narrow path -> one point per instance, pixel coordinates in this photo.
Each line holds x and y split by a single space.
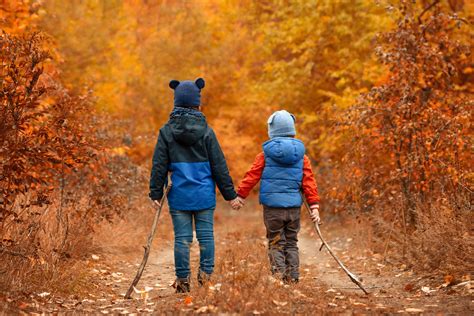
392 289
242 282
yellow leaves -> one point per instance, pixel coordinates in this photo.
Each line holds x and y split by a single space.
468 70
122 150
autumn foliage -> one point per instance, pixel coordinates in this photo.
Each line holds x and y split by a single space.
56 165
411 142
416 125
382 93
41 125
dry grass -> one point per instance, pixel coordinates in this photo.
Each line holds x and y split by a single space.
242 282
127 234
441 242
45 248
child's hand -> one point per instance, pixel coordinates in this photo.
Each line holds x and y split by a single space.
157 203
315 213
241 201
237 203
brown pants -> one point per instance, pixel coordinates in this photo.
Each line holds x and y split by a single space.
283 225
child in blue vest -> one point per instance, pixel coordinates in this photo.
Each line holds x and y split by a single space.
284 171
188 148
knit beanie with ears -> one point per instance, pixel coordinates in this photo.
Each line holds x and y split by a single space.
187 93
281 124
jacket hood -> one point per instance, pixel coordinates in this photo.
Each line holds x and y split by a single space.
188 129
284 150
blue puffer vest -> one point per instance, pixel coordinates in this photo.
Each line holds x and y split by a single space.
281 179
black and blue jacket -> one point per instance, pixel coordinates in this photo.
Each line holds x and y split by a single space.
188 148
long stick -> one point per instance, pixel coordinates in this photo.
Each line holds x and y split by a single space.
128 295
351 275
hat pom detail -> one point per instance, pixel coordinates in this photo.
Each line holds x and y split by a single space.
200 83
174 84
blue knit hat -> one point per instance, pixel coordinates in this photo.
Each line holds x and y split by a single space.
187 93
281 124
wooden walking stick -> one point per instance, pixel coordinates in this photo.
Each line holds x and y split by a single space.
351 275
128 295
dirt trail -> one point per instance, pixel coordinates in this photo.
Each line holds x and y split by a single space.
391 289
323 286
326 269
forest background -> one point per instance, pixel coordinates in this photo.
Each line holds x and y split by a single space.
382 93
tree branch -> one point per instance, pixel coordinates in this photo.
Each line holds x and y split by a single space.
427 9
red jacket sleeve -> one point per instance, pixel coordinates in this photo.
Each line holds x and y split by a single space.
310 188
252 177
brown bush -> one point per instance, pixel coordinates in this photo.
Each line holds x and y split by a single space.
57 179
410 165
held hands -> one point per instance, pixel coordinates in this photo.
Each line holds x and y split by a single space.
314 214
237 203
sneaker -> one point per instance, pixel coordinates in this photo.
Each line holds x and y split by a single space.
290 280
203 278
182 285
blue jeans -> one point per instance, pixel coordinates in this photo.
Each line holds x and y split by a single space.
183 237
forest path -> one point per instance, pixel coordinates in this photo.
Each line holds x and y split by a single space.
247 287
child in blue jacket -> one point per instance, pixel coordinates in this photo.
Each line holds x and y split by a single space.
188 148
284 172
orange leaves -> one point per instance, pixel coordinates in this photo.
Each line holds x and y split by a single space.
42 125
409 287
409 132
448 280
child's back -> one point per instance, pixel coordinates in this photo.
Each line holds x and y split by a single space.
195 161
188 148
281 179
284 171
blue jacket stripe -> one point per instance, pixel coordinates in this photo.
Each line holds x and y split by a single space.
193 187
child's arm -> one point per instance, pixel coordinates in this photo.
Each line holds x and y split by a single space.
310 189
219 169
252 176
159 169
